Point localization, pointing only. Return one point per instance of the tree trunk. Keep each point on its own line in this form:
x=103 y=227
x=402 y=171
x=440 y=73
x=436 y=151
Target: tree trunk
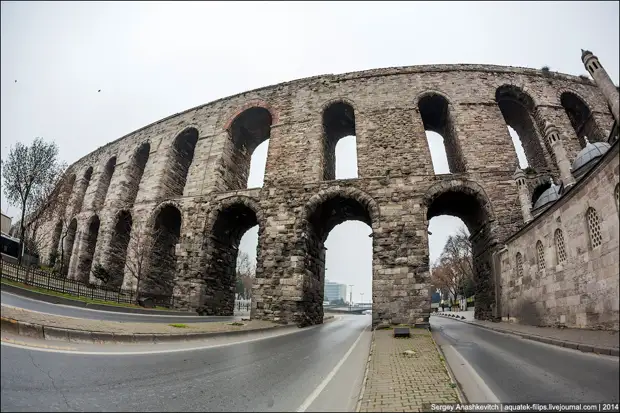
x=21 y=236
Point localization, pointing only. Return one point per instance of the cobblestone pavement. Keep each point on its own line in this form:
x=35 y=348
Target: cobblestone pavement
x=397 y=382
x=602 y=338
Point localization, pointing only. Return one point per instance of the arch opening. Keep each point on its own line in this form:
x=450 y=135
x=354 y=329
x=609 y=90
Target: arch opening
x=181 y=158
x=472 y=208
x=518 y=110
x=90 y=244
x=337 y=239
x=118 y=248
x=67 y=247
x=163 y=258
x=439 y=126
x=248 y=130
x=83 y=188
x=339 y=161
x=104 y=183
x=136 y=170
x=581 y=119
x=222 y=245
x=55 y=247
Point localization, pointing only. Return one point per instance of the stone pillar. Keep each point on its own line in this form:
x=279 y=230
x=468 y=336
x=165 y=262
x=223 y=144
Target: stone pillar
x=603 y=81
x=524 y=195
x=564 y=165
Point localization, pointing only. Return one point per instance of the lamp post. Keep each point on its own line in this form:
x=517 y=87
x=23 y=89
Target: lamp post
x=350 y=296
x=361 y=299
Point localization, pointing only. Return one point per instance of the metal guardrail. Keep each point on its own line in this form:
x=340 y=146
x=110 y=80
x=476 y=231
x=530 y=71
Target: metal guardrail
x=43 y=279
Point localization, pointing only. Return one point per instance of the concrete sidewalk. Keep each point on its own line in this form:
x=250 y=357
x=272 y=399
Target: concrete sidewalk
x=399 y=382
x=597 y=341
x=53 y=327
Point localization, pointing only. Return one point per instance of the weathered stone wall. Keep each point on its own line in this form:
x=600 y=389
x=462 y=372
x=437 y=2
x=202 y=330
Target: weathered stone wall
x=582 y=290
x=396 y=192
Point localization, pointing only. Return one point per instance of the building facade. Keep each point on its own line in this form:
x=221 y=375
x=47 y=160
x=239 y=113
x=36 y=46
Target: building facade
x=335 y=291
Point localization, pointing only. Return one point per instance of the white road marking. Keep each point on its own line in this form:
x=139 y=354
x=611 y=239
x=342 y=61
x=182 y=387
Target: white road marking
x=330 y=376
x=139 y=353
x=96 y=311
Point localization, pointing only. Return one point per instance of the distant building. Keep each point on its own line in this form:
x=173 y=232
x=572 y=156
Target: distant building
x=5 y=226
x=335 y=291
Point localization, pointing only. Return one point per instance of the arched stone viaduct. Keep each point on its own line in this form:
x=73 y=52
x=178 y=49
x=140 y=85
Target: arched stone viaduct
x=186 y=176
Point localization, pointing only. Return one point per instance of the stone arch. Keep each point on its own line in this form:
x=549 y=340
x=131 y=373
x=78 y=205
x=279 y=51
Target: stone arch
x=104 y=182
x=89 y=239
x=468 y=201
x=435 y=110
x=227 y=222
x=150 y=223
x=180 y=158
x=338 y=121
x=85 y=182
x=53 y=256
x=135 y=170
x=117 y=249
x=68 y=242
x=519 y=111
x=164 y=226
x=231 y=116
x=581 y=117
x=247 y=130
x=320 y=215
x=358 y=195
x=431 y=92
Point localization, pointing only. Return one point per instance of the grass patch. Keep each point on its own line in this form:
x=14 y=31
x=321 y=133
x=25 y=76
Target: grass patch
x=236 y=323
x=72 y=297
x=178 y=325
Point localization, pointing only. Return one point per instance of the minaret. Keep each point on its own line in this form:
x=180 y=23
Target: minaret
x=524 y=195
x=603 y=81
x=564 y=165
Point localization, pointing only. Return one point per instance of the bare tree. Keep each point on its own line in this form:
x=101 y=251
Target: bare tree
x=134 y=258
x=28 y=173
x=245 y=274
x=47 y=202
x=454 y=269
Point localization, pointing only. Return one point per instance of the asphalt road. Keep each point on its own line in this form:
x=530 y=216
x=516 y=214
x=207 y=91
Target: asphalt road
x=281 y=373
x=78 y=312
x=495 y=367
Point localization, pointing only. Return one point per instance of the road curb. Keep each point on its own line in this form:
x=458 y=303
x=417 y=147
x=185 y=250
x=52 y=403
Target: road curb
x=52 y=299
x=52 y=333
x=459 y=391
x=358 y=405
x=586 y=348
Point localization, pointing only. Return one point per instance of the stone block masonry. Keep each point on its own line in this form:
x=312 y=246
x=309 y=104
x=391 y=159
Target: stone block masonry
x=184 y=178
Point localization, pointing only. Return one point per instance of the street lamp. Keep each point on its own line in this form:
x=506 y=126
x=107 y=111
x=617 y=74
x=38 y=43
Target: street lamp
x=362 y=299
x=350 y=296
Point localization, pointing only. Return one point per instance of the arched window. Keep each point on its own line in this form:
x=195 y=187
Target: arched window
x=519 y=265
x=581 y=119
x=446 y=156
x=540 y=255
x=560 y=249
x=339 y=123
x=594 y=228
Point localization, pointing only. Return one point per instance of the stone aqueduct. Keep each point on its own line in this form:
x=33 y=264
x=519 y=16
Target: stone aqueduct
x=186 y=175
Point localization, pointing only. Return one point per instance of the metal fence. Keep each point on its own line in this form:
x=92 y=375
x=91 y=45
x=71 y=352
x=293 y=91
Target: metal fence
x=44 y=279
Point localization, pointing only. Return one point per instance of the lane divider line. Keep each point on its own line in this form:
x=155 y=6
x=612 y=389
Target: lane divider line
x=310 y=399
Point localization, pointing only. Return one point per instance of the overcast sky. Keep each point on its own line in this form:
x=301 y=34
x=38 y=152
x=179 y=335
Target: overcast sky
x=151 y=60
